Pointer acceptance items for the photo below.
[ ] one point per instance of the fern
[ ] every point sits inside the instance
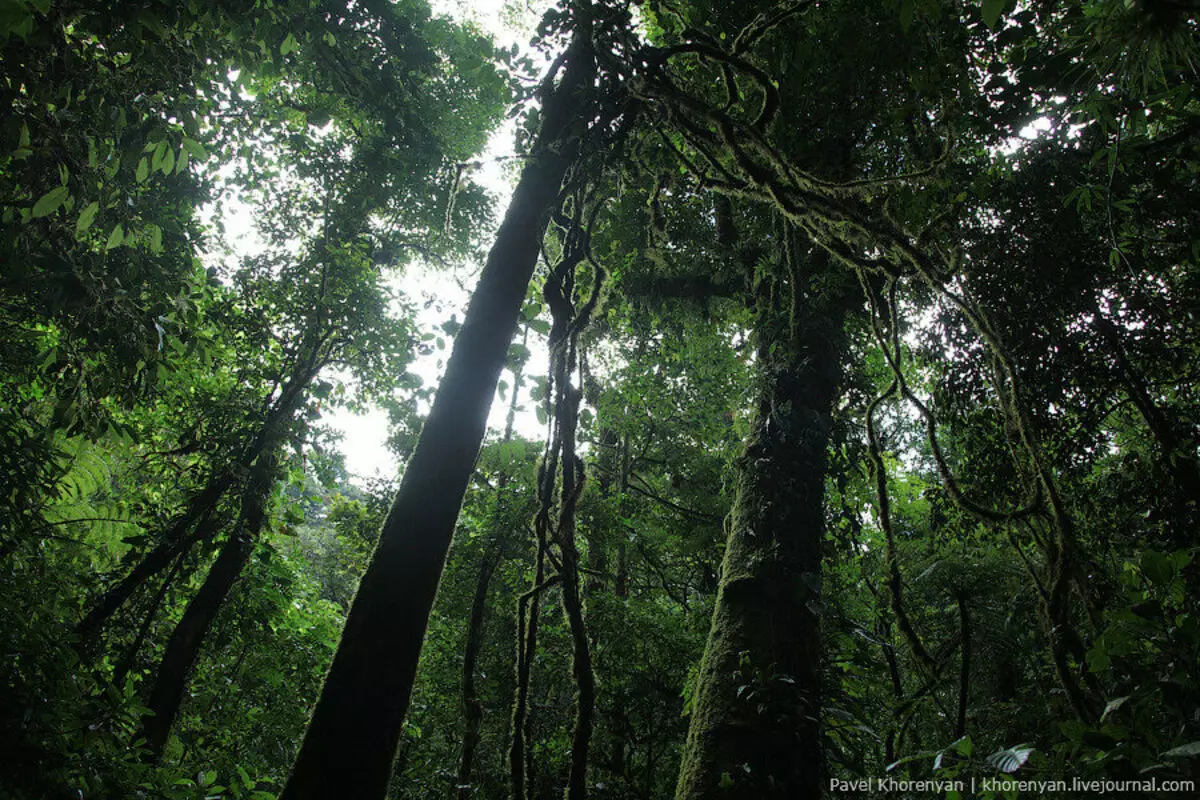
(84, 497)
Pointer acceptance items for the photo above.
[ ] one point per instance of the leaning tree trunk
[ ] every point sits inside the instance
(183, 648)
(355, 729)
(198, 523)
(199, 519)
(755, 719)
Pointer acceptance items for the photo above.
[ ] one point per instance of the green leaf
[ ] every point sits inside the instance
(290, 45)
(1184, 751)
(156, 244)
(1113, 705)
(160, 151)
(518, 353)
(510, 452)
(542, 416)
(143, 171)
(168, 161)
(116, 237)
(1010, 760)
(206, 778)
(992, 10)
(195, 149)
(1157, 568)
(51, 201)
(15, 18)
(86, 218)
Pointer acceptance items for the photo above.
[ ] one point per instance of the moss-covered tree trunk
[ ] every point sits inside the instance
(755, 728)
(352, 739)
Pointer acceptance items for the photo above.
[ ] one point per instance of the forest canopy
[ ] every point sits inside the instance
(861, 338)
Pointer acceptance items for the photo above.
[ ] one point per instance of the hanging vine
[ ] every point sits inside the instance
(561, 477)
(724, 146)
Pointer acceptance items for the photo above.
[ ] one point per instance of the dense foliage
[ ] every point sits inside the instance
(869, 435)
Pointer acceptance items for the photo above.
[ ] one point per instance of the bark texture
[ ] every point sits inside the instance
(351, 741)
(755, 718)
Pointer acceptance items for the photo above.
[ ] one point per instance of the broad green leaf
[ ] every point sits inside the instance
(15, 18)
(156, 234)
(290, 45)
(160, 152)
(51, 201)
(992, 10)
(143, 171)
(1010, 760)
(86, 218)
(116, 237)
(1184, 751)
(195, 149)
(1157, 568)
(168, 162)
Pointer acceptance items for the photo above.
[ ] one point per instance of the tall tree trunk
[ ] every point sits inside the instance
(198, 523)
(195, 524)
(528, 609)
(472, 705)
(351, 741)
(755, 728)
(964, 672)
(126, 663)
(183, 648)
(494, 554)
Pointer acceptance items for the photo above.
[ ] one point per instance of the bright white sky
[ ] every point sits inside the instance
(365, 435)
